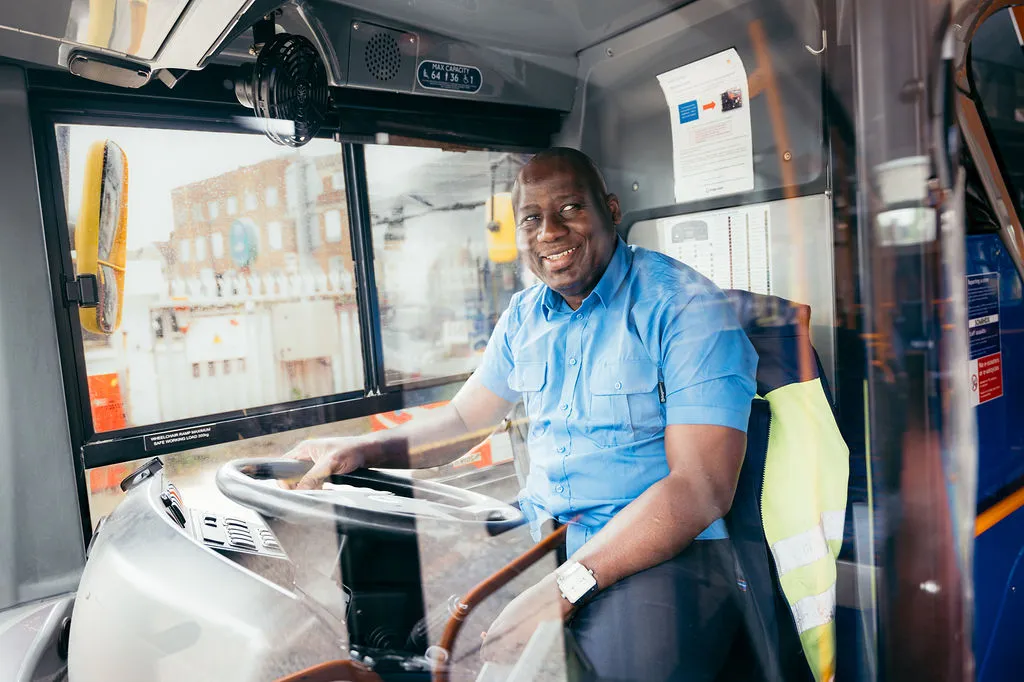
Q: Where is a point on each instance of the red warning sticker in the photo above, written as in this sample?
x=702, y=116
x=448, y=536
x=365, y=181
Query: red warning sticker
x=986, y=378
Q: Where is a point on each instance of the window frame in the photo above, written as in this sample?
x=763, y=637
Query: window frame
x=129, y=444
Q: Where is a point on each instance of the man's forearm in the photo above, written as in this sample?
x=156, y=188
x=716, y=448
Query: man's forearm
x=652, y=529
x=432, y=441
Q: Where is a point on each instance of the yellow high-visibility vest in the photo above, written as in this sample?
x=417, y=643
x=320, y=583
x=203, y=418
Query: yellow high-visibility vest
x=803, y=498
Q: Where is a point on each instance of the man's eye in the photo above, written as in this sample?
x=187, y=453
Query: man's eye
x=529, y=219
x=570, y=208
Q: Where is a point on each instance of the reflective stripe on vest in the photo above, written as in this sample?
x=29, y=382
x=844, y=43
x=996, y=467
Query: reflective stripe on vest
x=811, y=545
x=816, y=610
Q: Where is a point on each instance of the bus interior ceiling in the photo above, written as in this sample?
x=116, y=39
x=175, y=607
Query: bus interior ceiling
x=571, y=73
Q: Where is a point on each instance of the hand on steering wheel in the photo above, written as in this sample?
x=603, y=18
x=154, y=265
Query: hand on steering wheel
x=330, y=456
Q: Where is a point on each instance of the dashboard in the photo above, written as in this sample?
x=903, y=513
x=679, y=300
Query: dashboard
x=169, y=593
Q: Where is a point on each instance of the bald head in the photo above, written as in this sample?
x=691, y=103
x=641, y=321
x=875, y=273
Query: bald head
x=562, y=159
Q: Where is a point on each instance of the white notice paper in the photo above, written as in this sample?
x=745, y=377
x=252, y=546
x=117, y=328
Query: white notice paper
x=729, y=247
x=712, y=146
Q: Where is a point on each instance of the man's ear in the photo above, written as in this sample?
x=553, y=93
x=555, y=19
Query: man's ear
x=613, y=208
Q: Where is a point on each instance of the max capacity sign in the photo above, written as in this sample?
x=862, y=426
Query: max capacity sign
x=444, y=76
x=983, y=332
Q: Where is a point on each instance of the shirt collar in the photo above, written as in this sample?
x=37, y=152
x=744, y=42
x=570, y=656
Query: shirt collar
x=606, y=287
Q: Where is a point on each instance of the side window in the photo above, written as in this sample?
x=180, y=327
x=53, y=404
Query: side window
x=442, y=279
x=295, y=336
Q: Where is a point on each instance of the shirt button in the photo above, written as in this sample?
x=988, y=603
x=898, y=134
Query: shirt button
x=564, y=406
x=618, y=385
x=561, y=448
x=560, y=489
x=572, y=361
x=577, y=316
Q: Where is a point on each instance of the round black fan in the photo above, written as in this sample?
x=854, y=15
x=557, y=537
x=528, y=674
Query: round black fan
x=287, y=89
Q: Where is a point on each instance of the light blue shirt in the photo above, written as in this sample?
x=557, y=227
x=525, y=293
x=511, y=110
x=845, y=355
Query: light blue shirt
x=590, y=381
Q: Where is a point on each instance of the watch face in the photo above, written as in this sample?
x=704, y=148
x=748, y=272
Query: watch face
x=576, y=583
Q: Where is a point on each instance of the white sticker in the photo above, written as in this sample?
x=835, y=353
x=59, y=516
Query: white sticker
x=729, y=246
x=712, y=144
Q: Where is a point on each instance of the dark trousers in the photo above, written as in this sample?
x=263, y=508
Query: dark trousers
x=679, y=620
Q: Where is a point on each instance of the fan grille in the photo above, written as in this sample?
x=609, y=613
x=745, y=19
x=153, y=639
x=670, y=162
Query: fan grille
x=290, y=84
x=383, y=56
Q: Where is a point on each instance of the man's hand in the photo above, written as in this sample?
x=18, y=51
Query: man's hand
x=446, y=433
x=505, y=639
x=329, y=456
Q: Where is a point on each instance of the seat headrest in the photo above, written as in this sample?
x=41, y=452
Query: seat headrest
x=780, y=331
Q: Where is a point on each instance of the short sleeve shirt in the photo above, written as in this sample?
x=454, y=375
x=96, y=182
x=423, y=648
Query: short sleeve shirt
x=655, y=343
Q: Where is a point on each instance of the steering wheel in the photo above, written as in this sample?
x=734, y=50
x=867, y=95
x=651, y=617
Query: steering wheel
x=365, y=499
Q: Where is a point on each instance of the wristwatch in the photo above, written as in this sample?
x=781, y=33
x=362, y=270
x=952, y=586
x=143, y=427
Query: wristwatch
x=575, y=581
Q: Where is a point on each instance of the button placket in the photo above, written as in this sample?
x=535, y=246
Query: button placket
x=574, y=364
x=572, y=353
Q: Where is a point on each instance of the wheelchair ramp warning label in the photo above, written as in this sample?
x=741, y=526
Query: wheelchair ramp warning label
x=986, y=366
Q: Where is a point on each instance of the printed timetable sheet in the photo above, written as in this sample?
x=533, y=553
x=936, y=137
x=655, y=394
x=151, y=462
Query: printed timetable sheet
x=729, y=246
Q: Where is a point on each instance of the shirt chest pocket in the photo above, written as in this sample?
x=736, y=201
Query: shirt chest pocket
x=529, y=378
x=624, y=403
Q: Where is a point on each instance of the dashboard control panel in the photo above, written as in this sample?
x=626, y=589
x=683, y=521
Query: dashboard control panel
x=217, y=531
x=223, y=532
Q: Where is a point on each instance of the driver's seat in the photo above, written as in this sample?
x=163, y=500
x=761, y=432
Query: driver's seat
x=790, y=400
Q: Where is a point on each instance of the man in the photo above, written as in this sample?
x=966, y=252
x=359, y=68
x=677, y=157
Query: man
x=637, y=381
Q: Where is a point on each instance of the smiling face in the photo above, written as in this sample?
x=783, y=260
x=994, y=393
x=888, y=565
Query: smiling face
x=565, y=222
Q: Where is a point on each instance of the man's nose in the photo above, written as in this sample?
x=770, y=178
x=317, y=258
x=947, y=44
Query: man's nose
x=551, y=229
